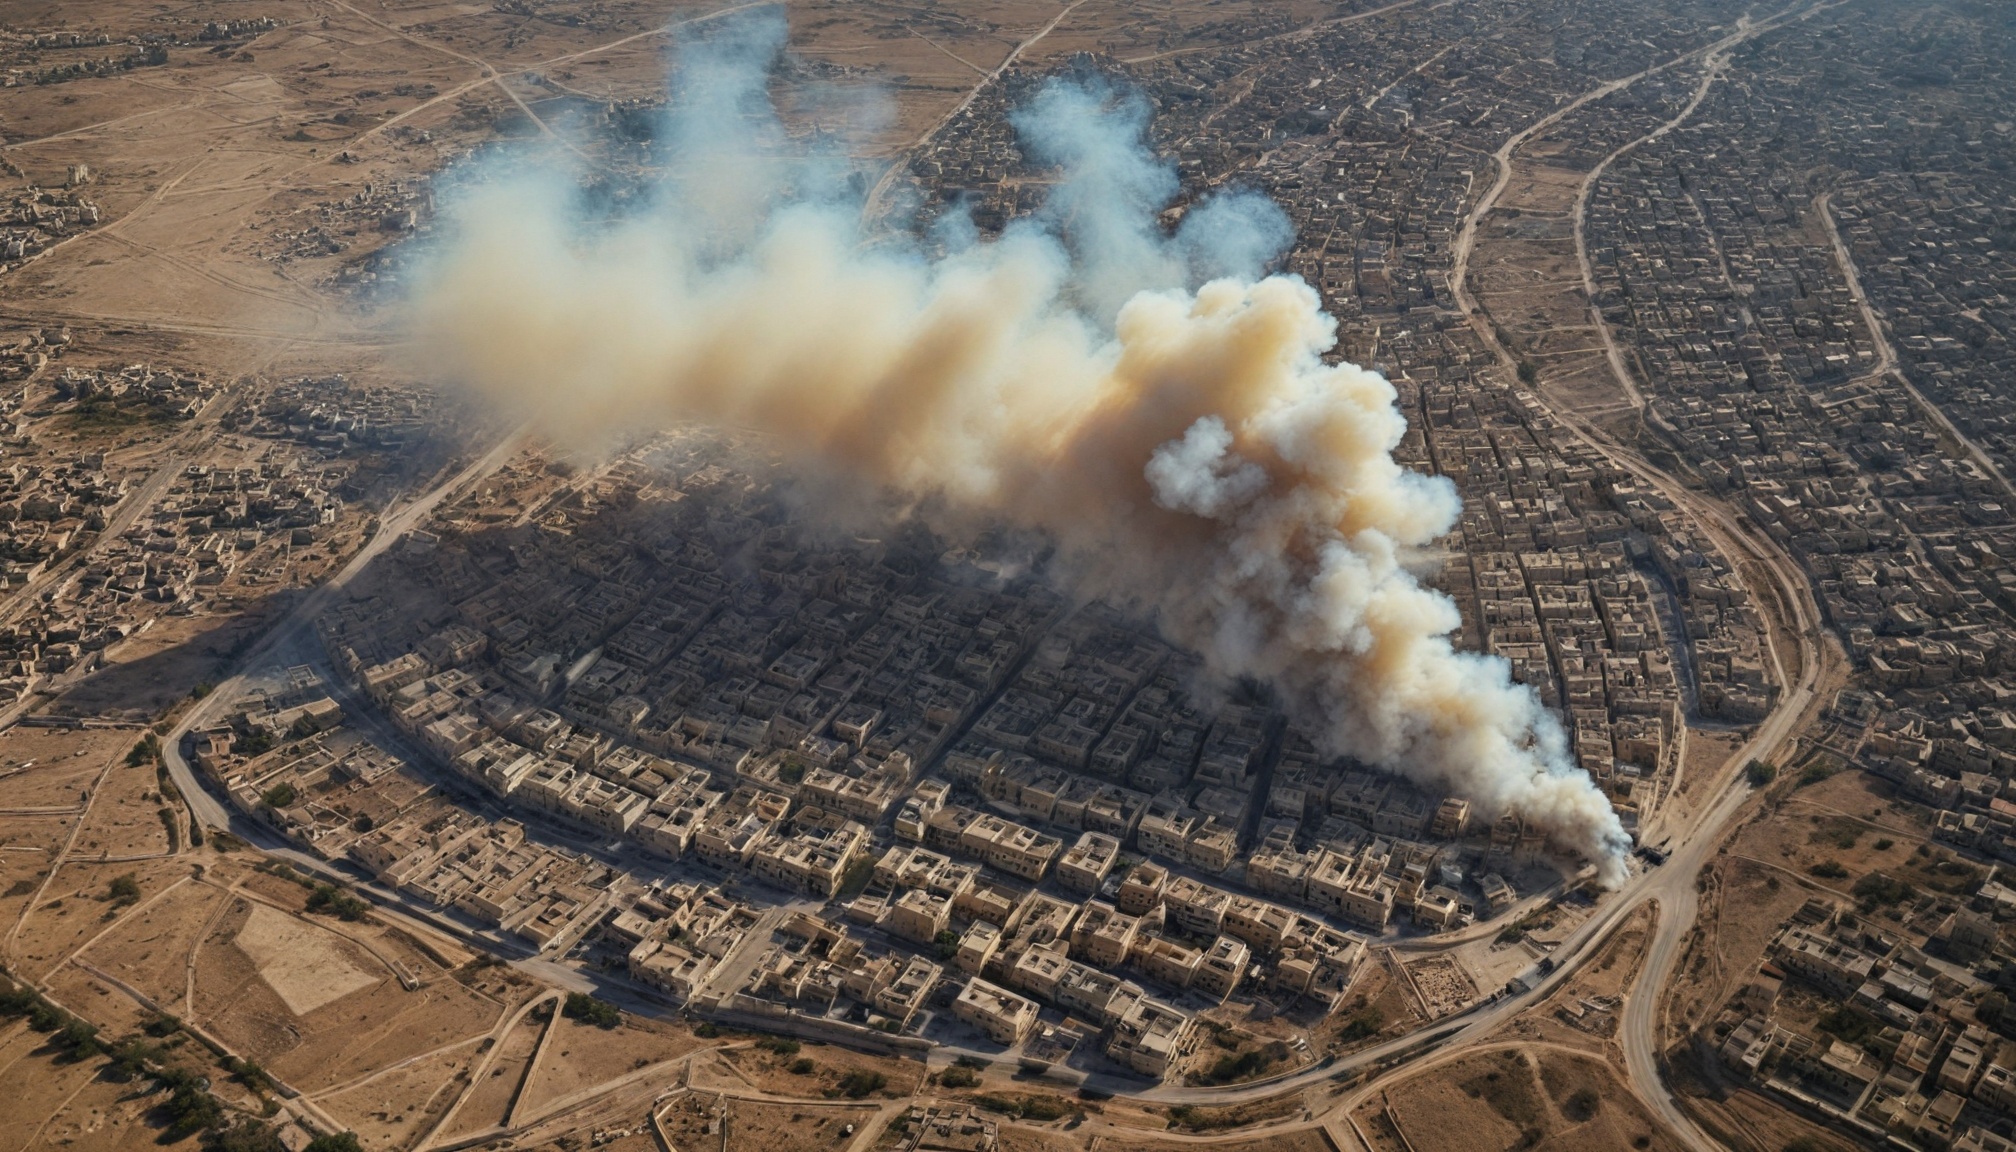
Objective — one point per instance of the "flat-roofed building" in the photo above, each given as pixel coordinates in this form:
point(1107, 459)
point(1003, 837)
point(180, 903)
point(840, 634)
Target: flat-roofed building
point(1001, 1015)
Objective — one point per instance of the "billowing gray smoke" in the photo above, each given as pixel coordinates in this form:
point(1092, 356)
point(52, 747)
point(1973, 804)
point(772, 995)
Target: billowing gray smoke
point(1148, 400)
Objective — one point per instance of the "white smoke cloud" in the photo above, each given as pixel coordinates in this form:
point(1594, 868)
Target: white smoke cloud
point(1149, 401)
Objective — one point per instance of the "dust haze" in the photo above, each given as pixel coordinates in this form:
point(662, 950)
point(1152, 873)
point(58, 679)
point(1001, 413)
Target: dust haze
point(1145, 397)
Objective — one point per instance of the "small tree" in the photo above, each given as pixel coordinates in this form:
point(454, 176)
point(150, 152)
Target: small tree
point(330, 898)
point(123, 889)
point(335, 1142)
point(77, 1040)
point(1366, 1023)
point(1991, 1009)
point(248, 1135)
point(861, 1083)
point(587, 1009)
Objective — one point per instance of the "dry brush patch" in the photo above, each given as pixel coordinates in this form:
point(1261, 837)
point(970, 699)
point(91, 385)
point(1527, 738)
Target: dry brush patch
point(581, 1055)
point(1299, 1140)
point(329, 1043)
point(1224, 1117)
point(791, 1127)
point(395, 1108)
point(125, 817)
point(1749, 1122)
point(1515, 1097)
point(1380, 1007)
point(780, 1070)
point(1568, 1017)
point(489, 1101)
point(80, 903)
point(1818, 840)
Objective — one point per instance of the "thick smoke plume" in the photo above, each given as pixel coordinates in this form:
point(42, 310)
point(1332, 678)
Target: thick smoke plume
point(1147, 399)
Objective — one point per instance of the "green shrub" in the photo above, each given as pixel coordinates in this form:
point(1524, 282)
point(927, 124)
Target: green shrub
point(1991, 1008)
point(1760, 773)
point(161, 1026)
point(958, 1077)
point(862, 1083)
point(131, 1058)
point(1363, 1024)
point(803, 1066)
point(76, 1040)
point(329, 898)
point(1043, 1108)
point(1850, 1024)
point(1038, 1108)
point(248, 1135)
point(1877, 889)
point(279, 795)
point(781, 1045)
point(1829, 870)
point(188, 1109)
point(587, 1009)
point(123, 889)
point(1210, 1119)
point(250, 1074)
point(1247, 1064)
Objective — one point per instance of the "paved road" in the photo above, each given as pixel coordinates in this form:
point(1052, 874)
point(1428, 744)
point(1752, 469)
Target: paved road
point(1671, 887)
point(286, 637)
point(137, 501)
point(1717, 62)
point(871, 205)
point(1887, 354)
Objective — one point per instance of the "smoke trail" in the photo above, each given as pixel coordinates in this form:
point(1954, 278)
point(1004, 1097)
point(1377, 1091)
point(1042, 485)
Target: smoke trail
point(1146, 400)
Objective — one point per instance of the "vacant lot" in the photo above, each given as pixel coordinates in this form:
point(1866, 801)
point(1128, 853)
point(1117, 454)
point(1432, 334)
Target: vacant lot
point(1299, 1140)
point(489, 1102)
point(392, 1109)
point(47, 1104)
point(771, 1071)
point(305, 965)
point(791, 1127)
point(581, 1056)
point(1516, 1098)
point(338, 1040)
point(692, 1119)
point(127, 814)
point(80, 905)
